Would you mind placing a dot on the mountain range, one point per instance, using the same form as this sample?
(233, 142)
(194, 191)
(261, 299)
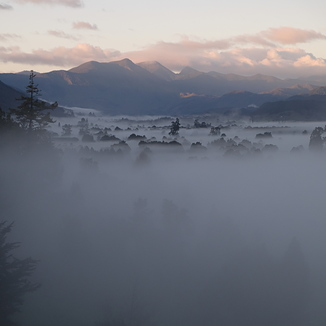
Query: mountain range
(123, 87)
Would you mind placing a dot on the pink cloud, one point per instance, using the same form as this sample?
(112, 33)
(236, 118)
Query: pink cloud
(68, 3)
(179, 54)
(280, 62)
(246, 55)
(289, 35)
(60, 56)
(187, 51)
(84, 25)
(309, 61)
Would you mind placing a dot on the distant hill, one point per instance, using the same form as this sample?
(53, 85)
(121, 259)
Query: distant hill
(311, 107)
(194, 104)
(297, 89)
(123, 87)
(8, 97)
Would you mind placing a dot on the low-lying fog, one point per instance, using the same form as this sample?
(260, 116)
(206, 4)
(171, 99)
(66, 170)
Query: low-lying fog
(164, 235)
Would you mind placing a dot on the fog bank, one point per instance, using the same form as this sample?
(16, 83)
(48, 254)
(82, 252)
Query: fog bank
(181, 238)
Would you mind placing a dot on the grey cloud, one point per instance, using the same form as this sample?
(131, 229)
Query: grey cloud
(68, 3)
(62, 34)
(252, 39)
(4, 6)
(6, 36)
(84, 25)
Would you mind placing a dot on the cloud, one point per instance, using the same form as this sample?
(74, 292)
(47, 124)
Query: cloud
(4, 6)
(252, 39)
(60, 56)
(277, 61)
(6, 37)
(179, 54)
(84, 25)
(289, 35)
(243, 54)
(269, 38)
(309, 61)
(188, 44)
(61, 34)
(68, 3)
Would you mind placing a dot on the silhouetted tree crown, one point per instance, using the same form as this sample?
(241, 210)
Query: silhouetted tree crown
(175, 126)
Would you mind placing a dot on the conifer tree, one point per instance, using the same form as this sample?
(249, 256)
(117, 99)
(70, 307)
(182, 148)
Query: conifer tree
(33, 113)
(175, 126)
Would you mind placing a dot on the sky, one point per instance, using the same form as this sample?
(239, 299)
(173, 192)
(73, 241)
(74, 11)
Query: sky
(286, 39)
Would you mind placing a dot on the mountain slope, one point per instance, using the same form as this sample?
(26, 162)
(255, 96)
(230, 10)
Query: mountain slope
(8, 97)
(119, 87)
(158, 70)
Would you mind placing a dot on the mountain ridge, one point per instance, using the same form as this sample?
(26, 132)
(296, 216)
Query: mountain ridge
(123, 87)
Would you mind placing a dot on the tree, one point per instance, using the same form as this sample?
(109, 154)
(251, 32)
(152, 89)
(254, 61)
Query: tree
(203, 124)
(66, 130)
(33, 113)
(175, 126)
(14, 273)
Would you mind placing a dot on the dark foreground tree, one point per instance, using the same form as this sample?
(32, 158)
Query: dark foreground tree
(33, 113)
(14, 274)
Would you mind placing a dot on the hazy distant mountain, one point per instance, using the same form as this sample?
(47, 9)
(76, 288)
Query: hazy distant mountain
(122, 87)
(196, 104)
(217, 84)
(318, 91)
(238, 99)
(319, 80)
(293, 90)
(311, 107)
